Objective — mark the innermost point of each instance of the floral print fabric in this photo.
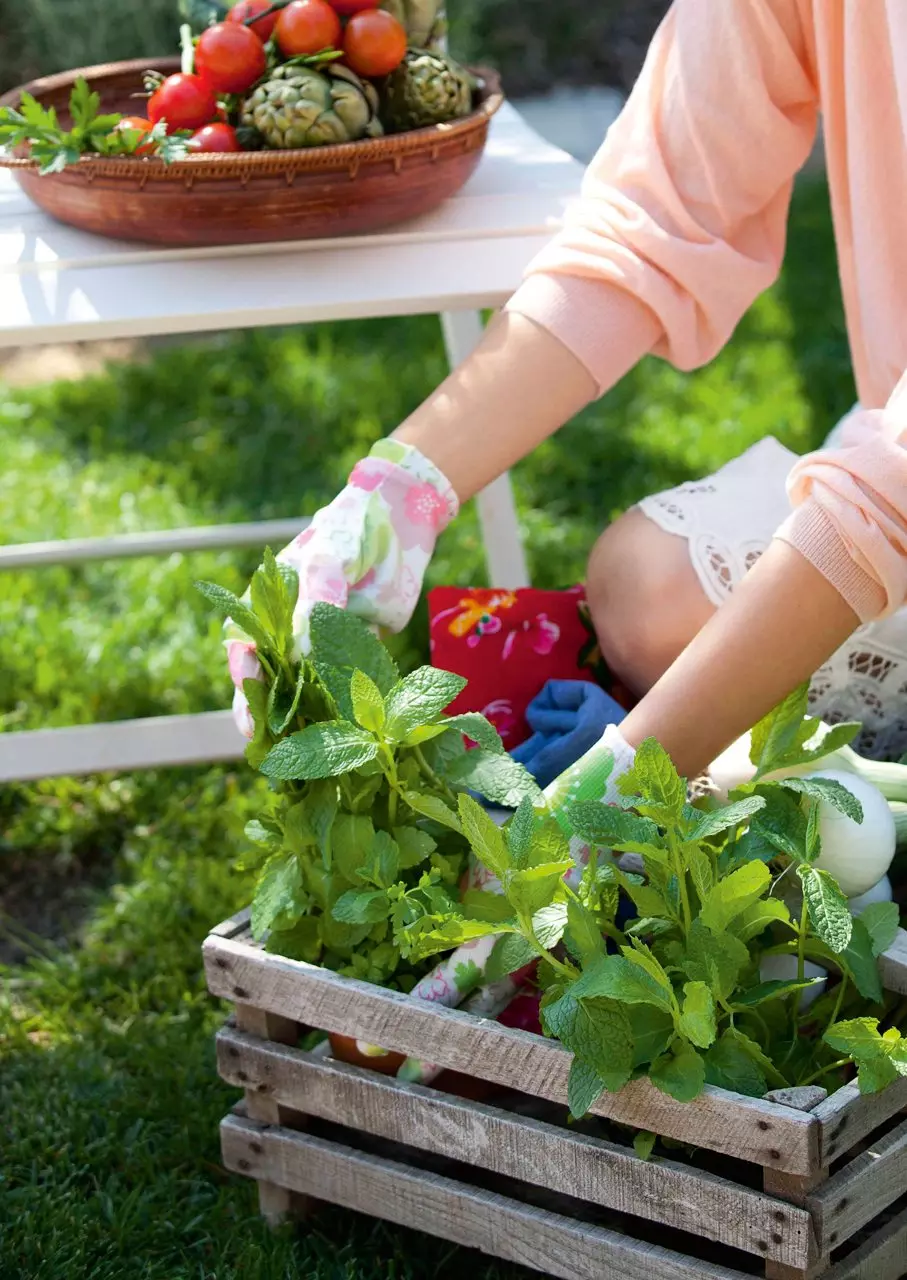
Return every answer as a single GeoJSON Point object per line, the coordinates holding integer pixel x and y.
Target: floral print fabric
{"type": "Point", "coordinates": [508, 644]}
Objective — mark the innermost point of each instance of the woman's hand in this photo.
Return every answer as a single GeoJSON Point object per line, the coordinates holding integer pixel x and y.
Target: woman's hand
{"type": "Point", "coordinates": [366, 552]}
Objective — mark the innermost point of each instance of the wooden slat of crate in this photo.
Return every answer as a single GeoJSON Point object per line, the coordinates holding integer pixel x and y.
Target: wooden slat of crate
{"type": "Point", "coordinates": [849, 1116]}
{"type": "Point", "coordinates": [893, 965]}
{"type": "Point", "coordinates": [518, 1147]}
{"type": "Point", "coordinates": [882, 1257]}
{"type": "Point", "coordinates": [452, 1210]}
{"type": "Point", "coordinates": [862, 1189]}
{"type": "Point", "coordinates": [746, 1128]}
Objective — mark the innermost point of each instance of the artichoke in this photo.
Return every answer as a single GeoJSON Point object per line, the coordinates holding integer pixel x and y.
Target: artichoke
{"type": "Point", "coordinates": [427, 88]}
{"type": "Point", "coordinates": [304, 106]}
{"type": "Point", "coordinates": [422, 19]}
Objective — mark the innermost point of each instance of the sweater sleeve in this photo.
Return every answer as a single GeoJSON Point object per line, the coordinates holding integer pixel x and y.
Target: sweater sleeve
{"type": "Point", "coordinates": [681, 220]}
{"type": "Point", "coordinates": [850, 509]}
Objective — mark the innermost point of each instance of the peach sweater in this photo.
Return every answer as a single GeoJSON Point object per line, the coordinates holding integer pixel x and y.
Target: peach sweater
{"type": "Point", "coordinates": [682, 221]}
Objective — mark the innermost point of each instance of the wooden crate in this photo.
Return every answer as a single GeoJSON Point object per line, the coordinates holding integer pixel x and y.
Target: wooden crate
{"type": "Point", "coordinates": [817, 1187]}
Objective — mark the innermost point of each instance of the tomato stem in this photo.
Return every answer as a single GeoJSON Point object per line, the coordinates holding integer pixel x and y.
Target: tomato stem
{"type": "Point", "coordinates": [265, 13]}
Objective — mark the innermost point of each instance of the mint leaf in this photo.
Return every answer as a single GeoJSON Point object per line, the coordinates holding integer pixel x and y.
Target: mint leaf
{"type": "Point", "coordinates": [782, 823]}
{"type": "Point", "coordinates": [653, 1031]}
{"type": "Point", "coordinates": [320, 751]}
{"type": "Point", "coordinates": [450, 933]}
{"type": "Point", "coordinates": [534, 888]}
{"type": "Point", "coordinates": [430, 806]}
{"type": "Point", "coordinates": [612, 828]}
{"type": "Point", "coordinates": [654, 777]}
{"type": "Point", "coordinates": [414, 846]}
{"type": "Point", "coordinates": [345, 641]}
{"type": "Point", "coordinates": [726, 818]}
{"type": "Point", "coordinates": [829, 791]}
{"type": "Point", "coordinates": [419, 699]}
{"type": "Point", "coordinates": [876, 1074]}
{"type": "Point", "coordinates": [283, 702]}
{"type": "Point", "coordinates": [272, 602]}
{"type": "Point", "coordinates": [680, 1074]}
{"type": "Point", "coordinates": [498, 778]}
{"type": "Point", "coordinates": [584, 940]}
{"type": "Point", "coordinates": [701, 871]}
{"type": "Point", "coordinates": [882, 921]}
{"type": "Point", "coordinates": [481, 905]}
{"type": "Point", "coordinates": [478, 730]}
{"type": "Point", "coordinates": [519, 832]}
{"type": "Point", "coordinates": [644, 1144]}
{"type": "Point", "coordinates": [756, 1055]}
{"type": "Point", "coordinates": [758, 917]}
{"type": "Point", "coordinates": [278, 895]}
{"type": "Point", "coordinates": [338, 684]}
{"type": "Point", "coordinates": [861, 963]}
{"type": "Point", "coordinates": [549, 923]}
{"type": "Point", "coordinates": [729, 1066]}
{"type": "Point", "coordinates": [732, 895]}
{"type": "Point", "coordinates": [598, 1032]}
{"type": "Point", "coordinates": [715, 959]}
{"type": "Point", "coordinates": [355, 907]}
{"type": "Point", "coordinates": [765, 991]}
{"type": "Point", "coordinates": [858, 1038]}
{"type": "Point", "coordinates": [351, 838]}
{"type": "Point", "coordinates": [584, 1087]}
{"type": "Point", "coordinates": [828, 910]}
{"type": "Point", "coordinates": [321, 810]}
{"type": "Point", "coordinates": [511, 953]}
{"type": "Point", "coordinates": [230, 606]}
{"type": "Point", "coordinates": [813, 838]}
{"type": "Point", "coordinates": [697, 1018]}
{"type": "Point", "coordinates": [775, 735]}
{"type": "Point", "coordinates": [382, 862]}
{"type": "Point", "coordinates": [485, 838]}
{"type": "Point", "coordinates": [617, 978]}
{"type": "Point", "coordinates": [368, 704]}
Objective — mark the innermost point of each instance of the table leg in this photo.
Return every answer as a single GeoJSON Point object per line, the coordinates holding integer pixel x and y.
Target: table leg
{"type": "Point", "coordinates": [504, 553]}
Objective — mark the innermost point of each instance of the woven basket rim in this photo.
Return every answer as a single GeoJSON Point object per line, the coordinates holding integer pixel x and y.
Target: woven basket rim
{"type": "Point", "coordinates": [250, 164]}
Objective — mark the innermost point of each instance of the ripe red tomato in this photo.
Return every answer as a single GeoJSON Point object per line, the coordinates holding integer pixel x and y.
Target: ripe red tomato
{"type": "Point", "coordinates": [346, 1049]}
{"type": "Point", "coordinates": [374, 43]}
{"type": "Point", "coordinates": [307, 26]}
{"type": "Point", "coordinates": [185, 102]}
{"type": "Point", "coordinates": [215, 137]}
{"type": "Point", "coordinates": [137, 124]}
{"type": "Point", "coordinates": [230, 57]}
{"type": "Point", "coordinates": [348, 7]}
{"type": "Point", "coordinates": [245, 9]}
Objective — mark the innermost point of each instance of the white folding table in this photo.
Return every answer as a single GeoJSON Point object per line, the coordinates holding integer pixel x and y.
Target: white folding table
{"type": "Point", "coordinates": [58, 284]}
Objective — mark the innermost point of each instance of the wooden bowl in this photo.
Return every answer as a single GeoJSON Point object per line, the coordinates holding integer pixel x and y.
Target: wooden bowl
{"type": "Point", "coordinates": [304, 194]}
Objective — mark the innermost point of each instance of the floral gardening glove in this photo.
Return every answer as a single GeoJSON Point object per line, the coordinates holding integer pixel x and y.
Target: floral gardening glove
{"type": "Point", "coordinates": [367, 552]}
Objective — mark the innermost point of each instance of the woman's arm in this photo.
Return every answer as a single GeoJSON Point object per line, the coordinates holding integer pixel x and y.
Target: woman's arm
{"type": "Point", "coordinates": [782, 622]}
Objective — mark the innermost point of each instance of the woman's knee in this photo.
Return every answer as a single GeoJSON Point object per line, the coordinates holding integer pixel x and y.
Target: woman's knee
{"type": "Point", "coordinates": [645, 599]}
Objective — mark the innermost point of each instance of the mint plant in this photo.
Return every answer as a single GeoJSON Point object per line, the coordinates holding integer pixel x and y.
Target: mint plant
{"type": "Point", "coordinates": [362, 835]}
{"type": "Point", "coordinates": [675, 993]}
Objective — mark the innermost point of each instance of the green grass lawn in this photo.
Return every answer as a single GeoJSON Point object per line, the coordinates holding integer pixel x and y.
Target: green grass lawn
{"type": "Point", "coordinates": [109, 1102]}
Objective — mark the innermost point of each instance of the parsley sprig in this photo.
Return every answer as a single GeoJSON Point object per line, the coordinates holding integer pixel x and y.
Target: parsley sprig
{"type": "Point", "coordinates": [54, 147]}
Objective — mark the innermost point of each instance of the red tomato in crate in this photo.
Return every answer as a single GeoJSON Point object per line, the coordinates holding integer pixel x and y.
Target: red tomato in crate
{"type": "Point", "coordinates": [214, 138]}
{"type": "Point", "coordinates": [245, 9]}
{"type": "Point", "coordinates": [348, 1049]}
{"type": "Point", "coordinates": [346, 8]}
{"type": "Point", "coordinates": [306, 27]}
{"type": "Point", "coordinates": [185, 102]}
{"type": "Point", "coordinates": [374, 43]}
{"type": "Point", "coordinates": [230, 57]}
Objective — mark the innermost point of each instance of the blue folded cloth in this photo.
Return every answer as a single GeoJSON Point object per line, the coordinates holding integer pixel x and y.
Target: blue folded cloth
{"type": "Point", "coordinates": [566, 718]}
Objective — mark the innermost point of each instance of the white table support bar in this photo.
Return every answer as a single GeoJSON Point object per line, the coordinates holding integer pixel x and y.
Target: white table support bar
{"type": "Point", "coordinates": [127, 546]}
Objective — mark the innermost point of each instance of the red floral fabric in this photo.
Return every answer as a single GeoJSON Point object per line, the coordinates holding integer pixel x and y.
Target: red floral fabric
{"type": "Point", "coordinates": [507, 644]}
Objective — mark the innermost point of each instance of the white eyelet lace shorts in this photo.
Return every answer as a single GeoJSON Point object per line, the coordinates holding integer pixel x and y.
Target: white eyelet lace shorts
{"type": "Point", "coordinates": [728, 520]}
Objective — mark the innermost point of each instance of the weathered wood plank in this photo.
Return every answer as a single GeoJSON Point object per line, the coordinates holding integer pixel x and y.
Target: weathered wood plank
{"type": "Point", "coordinates": [234, 926]}
{"type": "Point", "coordinates": [747, 1128]}
{"type": "Point", "coordinates": [882, 1257]}
{"type": "Point", "coordinates": [863, 1188]}
{"type": "Point", "coordinates": [518, 1147]}
{"type": "Point", "coordinates": [893, 965]}
{"type": "Point", "coordinates": [849, 1116]}
{"type": "Point", "coordinates": [452, 1210]}
{"type": "Point", "coordinates": [276, 1203]}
